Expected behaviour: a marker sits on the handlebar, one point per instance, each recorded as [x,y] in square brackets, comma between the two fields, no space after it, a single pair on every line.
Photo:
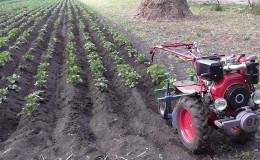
[175,45]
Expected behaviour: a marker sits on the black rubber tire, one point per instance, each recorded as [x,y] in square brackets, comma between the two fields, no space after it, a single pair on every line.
[202,129]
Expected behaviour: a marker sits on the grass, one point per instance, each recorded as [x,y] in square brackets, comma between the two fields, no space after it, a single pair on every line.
[229,31]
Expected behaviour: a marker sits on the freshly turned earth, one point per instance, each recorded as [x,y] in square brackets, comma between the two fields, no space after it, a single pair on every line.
[80,122]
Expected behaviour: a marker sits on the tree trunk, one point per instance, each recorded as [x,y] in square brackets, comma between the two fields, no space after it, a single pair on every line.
[163,9]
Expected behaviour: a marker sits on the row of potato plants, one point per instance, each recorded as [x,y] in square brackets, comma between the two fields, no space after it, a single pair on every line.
[73,71]
[13,33]
[11,84]
[29,55]
[13,17]
[126,71]
[5,56]
[94,60]
[33,99]
[119,38]
[8,11]
[23,16]
[157,72]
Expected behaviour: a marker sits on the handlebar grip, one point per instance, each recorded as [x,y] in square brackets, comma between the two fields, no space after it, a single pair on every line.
[152,52]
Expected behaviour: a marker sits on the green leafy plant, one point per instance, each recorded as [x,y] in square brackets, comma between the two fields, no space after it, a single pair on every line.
[129,75]
[158,73]
[140,58]
[28,57]
[14,87]
[117,57]
[12,34]
[101,83]
[3,93]
[2,41]
[245,155]
[73,76]
[4,57]
[40,78]
[12,79]
[31,102]
[109,46]
[96,64]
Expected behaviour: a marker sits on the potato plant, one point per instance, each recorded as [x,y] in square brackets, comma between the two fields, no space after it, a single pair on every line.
[32,102]
[5,57]
[127,72]
[96,64]
[11,85]
[3,93]
[129,75]
[13,33]
[73,70]
[158,73]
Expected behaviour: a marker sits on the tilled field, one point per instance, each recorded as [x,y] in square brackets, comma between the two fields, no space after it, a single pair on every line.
[67,120]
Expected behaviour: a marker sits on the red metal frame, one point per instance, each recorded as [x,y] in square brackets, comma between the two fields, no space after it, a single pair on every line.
[175,45]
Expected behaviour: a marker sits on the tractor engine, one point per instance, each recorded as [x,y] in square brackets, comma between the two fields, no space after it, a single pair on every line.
[222,97]
[228,81]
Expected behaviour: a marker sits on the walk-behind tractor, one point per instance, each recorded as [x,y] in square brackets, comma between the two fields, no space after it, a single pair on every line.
[220,96]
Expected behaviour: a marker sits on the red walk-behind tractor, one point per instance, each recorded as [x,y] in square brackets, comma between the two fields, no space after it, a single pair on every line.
[221,96]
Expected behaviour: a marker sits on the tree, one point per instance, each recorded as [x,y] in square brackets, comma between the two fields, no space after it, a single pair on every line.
[163,9]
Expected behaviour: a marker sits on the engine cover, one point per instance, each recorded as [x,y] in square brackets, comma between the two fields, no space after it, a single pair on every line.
[237,96]
[212,70]
[220,88]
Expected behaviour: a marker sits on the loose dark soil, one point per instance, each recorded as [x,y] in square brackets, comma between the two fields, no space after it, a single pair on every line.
[80,122]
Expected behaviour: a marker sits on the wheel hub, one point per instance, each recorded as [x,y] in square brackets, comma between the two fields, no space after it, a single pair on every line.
[186,125]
